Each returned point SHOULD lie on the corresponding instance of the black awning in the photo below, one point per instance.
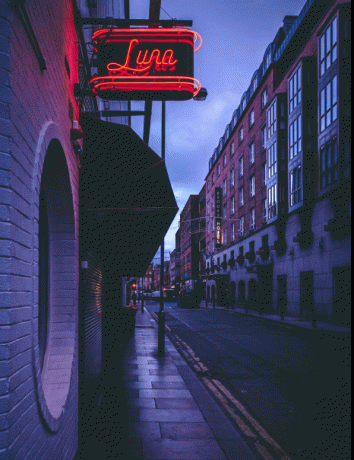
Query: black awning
(126, 199)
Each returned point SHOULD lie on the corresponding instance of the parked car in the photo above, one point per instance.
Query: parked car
(188, 299)
(155, 295)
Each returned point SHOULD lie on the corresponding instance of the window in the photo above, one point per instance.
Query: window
(224, 160)
(252, 186)
(268, 60)
(213, 245)
(295, 186)
(233, 232)
(264, 211)
(328, 47)
(264, 98)
(328, 104)
(251, 152)
(251, 119)
(232, 177)
(242, 226)
(232, 149)
(243, 104)
(272, 160)
(212, 202)
(224, 239)
(272, 120)
(329, 163)
(240, 135)
(263, 174)
(241, 201)
(213, 224)
(224, 211)
(224, 188)
(254, 85)
(208, 208)
(240, 167)
(263, 137)
(232, 205)
(272, 201)
(295, 137)
(218, 170)
(295, 90)
(212, 179)
(252, 218)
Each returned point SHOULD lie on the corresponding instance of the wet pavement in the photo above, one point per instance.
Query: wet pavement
(156, 408)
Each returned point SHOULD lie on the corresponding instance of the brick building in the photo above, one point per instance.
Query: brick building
(189, 241)
(282, 164)
(51, 134)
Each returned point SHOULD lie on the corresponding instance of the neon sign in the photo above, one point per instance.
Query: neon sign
(142, 64)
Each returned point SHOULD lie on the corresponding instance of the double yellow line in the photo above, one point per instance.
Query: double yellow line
(265, 445)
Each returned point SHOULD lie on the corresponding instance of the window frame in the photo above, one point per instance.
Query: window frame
(327, 57)
(251, 119)
(272, 200)
(241, 197)
(232, 149)
(241, 166)
(224, 160)
(253, 219)
(264, 98)
(232, 177)
(330, 147)
(252, 186)
(232, 205)
(242, 226)
(272, 119)
(272, 160)
(224, 187)
(295, 137)
(332, 111)
(252, 152)
(295, 89)
(295, 187)
(240, 135)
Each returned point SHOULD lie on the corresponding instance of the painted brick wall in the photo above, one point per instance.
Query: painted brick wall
(38, 99)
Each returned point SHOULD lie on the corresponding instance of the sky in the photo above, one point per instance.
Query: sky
(235, 36)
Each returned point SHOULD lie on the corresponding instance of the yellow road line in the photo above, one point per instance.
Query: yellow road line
(248, 432)
(254, 422)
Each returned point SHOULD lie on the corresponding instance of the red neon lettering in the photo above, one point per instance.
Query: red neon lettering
(144, 62)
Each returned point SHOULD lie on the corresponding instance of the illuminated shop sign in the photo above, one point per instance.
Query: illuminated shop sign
(140, 64)
(218, 200)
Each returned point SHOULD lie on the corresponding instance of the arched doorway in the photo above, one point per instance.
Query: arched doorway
(232, 293)
(241, 292)
(252, 294)
(213, 298)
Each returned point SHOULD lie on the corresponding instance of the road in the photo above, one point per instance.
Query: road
(294, 382)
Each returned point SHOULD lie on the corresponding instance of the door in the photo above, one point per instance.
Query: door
(306, 294)
(282, 296)
(341, 312)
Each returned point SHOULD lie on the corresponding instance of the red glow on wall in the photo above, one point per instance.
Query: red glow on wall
(141, 63)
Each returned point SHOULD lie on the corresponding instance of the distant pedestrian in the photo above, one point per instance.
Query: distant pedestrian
(134, 298)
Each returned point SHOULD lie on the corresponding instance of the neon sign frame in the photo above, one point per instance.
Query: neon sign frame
(143, 63)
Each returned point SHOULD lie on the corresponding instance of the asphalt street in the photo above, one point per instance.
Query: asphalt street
(295, 382)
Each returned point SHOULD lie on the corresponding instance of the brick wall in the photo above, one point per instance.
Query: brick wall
(40, 109)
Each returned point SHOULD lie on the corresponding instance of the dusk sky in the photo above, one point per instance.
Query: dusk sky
(235, 36)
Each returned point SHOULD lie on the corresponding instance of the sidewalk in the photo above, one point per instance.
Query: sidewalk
(288, 320)
(157, 408)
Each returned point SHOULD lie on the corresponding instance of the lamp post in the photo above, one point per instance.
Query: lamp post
(201, 96)
(161, 314)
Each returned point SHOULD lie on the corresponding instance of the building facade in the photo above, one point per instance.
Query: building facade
(189, 241)
(60, 280)
(282, 165)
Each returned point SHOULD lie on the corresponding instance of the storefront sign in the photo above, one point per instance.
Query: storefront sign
(218, 200)
(139, 64)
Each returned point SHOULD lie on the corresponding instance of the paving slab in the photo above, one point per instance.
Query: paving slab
(158, 409)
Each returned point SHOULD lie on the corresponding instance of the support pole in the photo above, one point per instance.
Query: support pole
(161, 315)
